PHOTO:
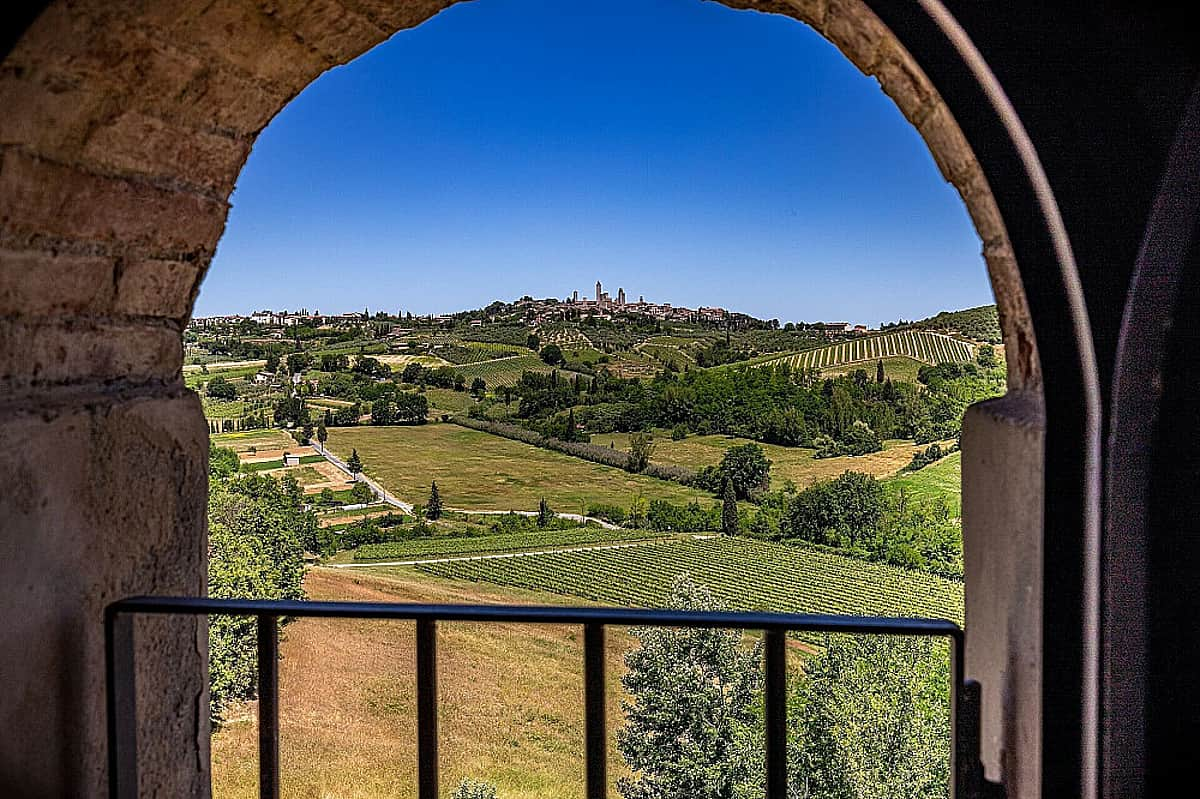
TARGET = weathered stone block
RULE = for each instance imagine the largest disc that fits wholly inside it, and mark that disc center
(157, 288)
(856, 31)
(949, 147)
(101, 501)
(39, 283)
(903, 80)
(43, 197)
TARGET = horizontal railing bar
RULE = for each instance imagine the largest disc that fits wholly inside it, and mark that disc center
(546, 614)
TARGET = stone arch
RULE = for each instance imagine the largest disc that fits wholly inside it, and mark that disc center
(125, 126)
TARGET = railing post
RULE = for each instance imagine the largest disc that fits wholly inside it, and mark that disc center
(775, 713)
(268, 706)
(427, 710)
(121, 699)
(594, 701)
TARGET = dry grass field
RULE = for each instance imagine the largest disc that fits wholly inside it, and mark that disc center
(787, 463)
(511, 700)
(480, 471)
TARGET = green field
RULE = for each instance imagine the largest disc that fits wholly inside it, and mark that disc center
(745, 574)
(480, 471)
(897, 368)
(921, 345)
(941, 480)
(448, 400)
(787, 463)
(506, 542)
(259, 439)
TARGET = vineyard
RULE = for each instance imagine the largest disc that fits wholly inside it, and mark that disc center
(502, 371)
(745, 574)
(509, 542)
(920, 345)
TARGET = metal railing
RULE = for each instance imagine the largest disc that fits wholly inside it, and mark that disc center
(966, 771)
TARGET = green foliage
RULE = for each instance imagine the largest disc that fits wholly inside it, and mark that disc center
(986, 356)
(869, 718)
(433, 508)
(222, 462)
(472, 789)
(361, 493)
(545, 515)
(258, 532)
(679, 432)
(981, 324)
(746, 469)
(354, 464)
(729, 509)
(641, 448)
(440, 546)
(220, 388)
(690, 723)
(552, 355)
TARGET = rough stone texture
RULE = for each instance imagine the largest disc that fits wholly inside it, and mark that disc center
(100, 500)
(125, 125)
(1003, 444)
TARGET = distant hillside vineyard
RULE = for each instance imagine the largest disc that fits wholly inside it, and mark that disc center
(920, 345)
(981, 324)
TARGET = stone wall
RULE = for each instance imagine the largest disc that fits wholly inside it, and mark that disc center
(125, 124)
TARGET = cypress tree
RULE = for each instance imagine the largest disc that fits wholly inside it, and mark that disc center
(433, 509)
(729, 511)
(879, 371)
(355, 463)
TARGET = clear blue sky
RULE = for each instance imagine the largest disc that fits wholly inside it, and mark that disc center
(684, 151)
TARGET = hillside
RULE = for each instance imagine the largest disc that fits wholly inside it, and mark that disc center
(981, 323)
(919, 345)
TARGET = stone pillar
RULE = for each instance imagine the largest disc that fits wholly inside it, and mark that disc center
(1002, 473)
(103, 497)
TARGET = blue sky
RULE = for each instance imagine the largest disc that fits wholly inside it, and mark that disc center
(684, 151)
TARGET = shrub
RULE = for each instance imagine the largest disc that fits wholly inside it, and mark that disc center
(472, 789)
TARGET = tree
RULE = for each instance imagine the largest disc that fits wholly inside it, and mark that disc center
(478, 386)
(473, 789)
(869, 717)
(361, 493)
(533, 342)
(846, 511)
(552, 355)
(222, 462)
(879, 375)
(747, 468)
(257, 534)
(306, 433)
(272, 362)
(433, 508)
(220, 388)
(987, 356)
(690, 730)
(545, 515)
(641, 447)
(322, 432)
(355, 463)
(729, 509)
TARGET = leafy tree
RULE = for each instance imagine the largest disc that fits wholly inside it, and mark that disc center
(257, 531)
(306, 433)
(326, 497)
(641, 448)
(355, 463)
(220, 388)
(472, 789)
(272, 362)
(747, 469)
(545, 515)
(222, 462)
(478, 386)
(869, 717)
(533, 342)
(846, 511)
(729, 509)
(322, 432)
(361, 493)
(691, 726)
(553, 355)
(298, 361)
(433, 508)
(986, 356)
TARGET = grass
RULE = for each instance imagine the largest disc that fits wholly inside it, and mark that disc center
(197, 378)
(941, 480)
(787, 463)
(259, 439)
(898, 369)
(479, 471)
(447, 400)
(511, 709)
(503, 542)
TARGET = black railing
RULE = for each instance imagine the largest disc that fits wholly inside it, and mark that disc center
(966, 772)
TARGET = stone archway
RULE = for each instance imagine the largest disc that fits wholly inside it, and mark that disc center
(125, 126)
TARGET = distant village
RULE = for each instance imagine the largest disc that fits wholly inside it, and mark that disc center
(534, 312)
